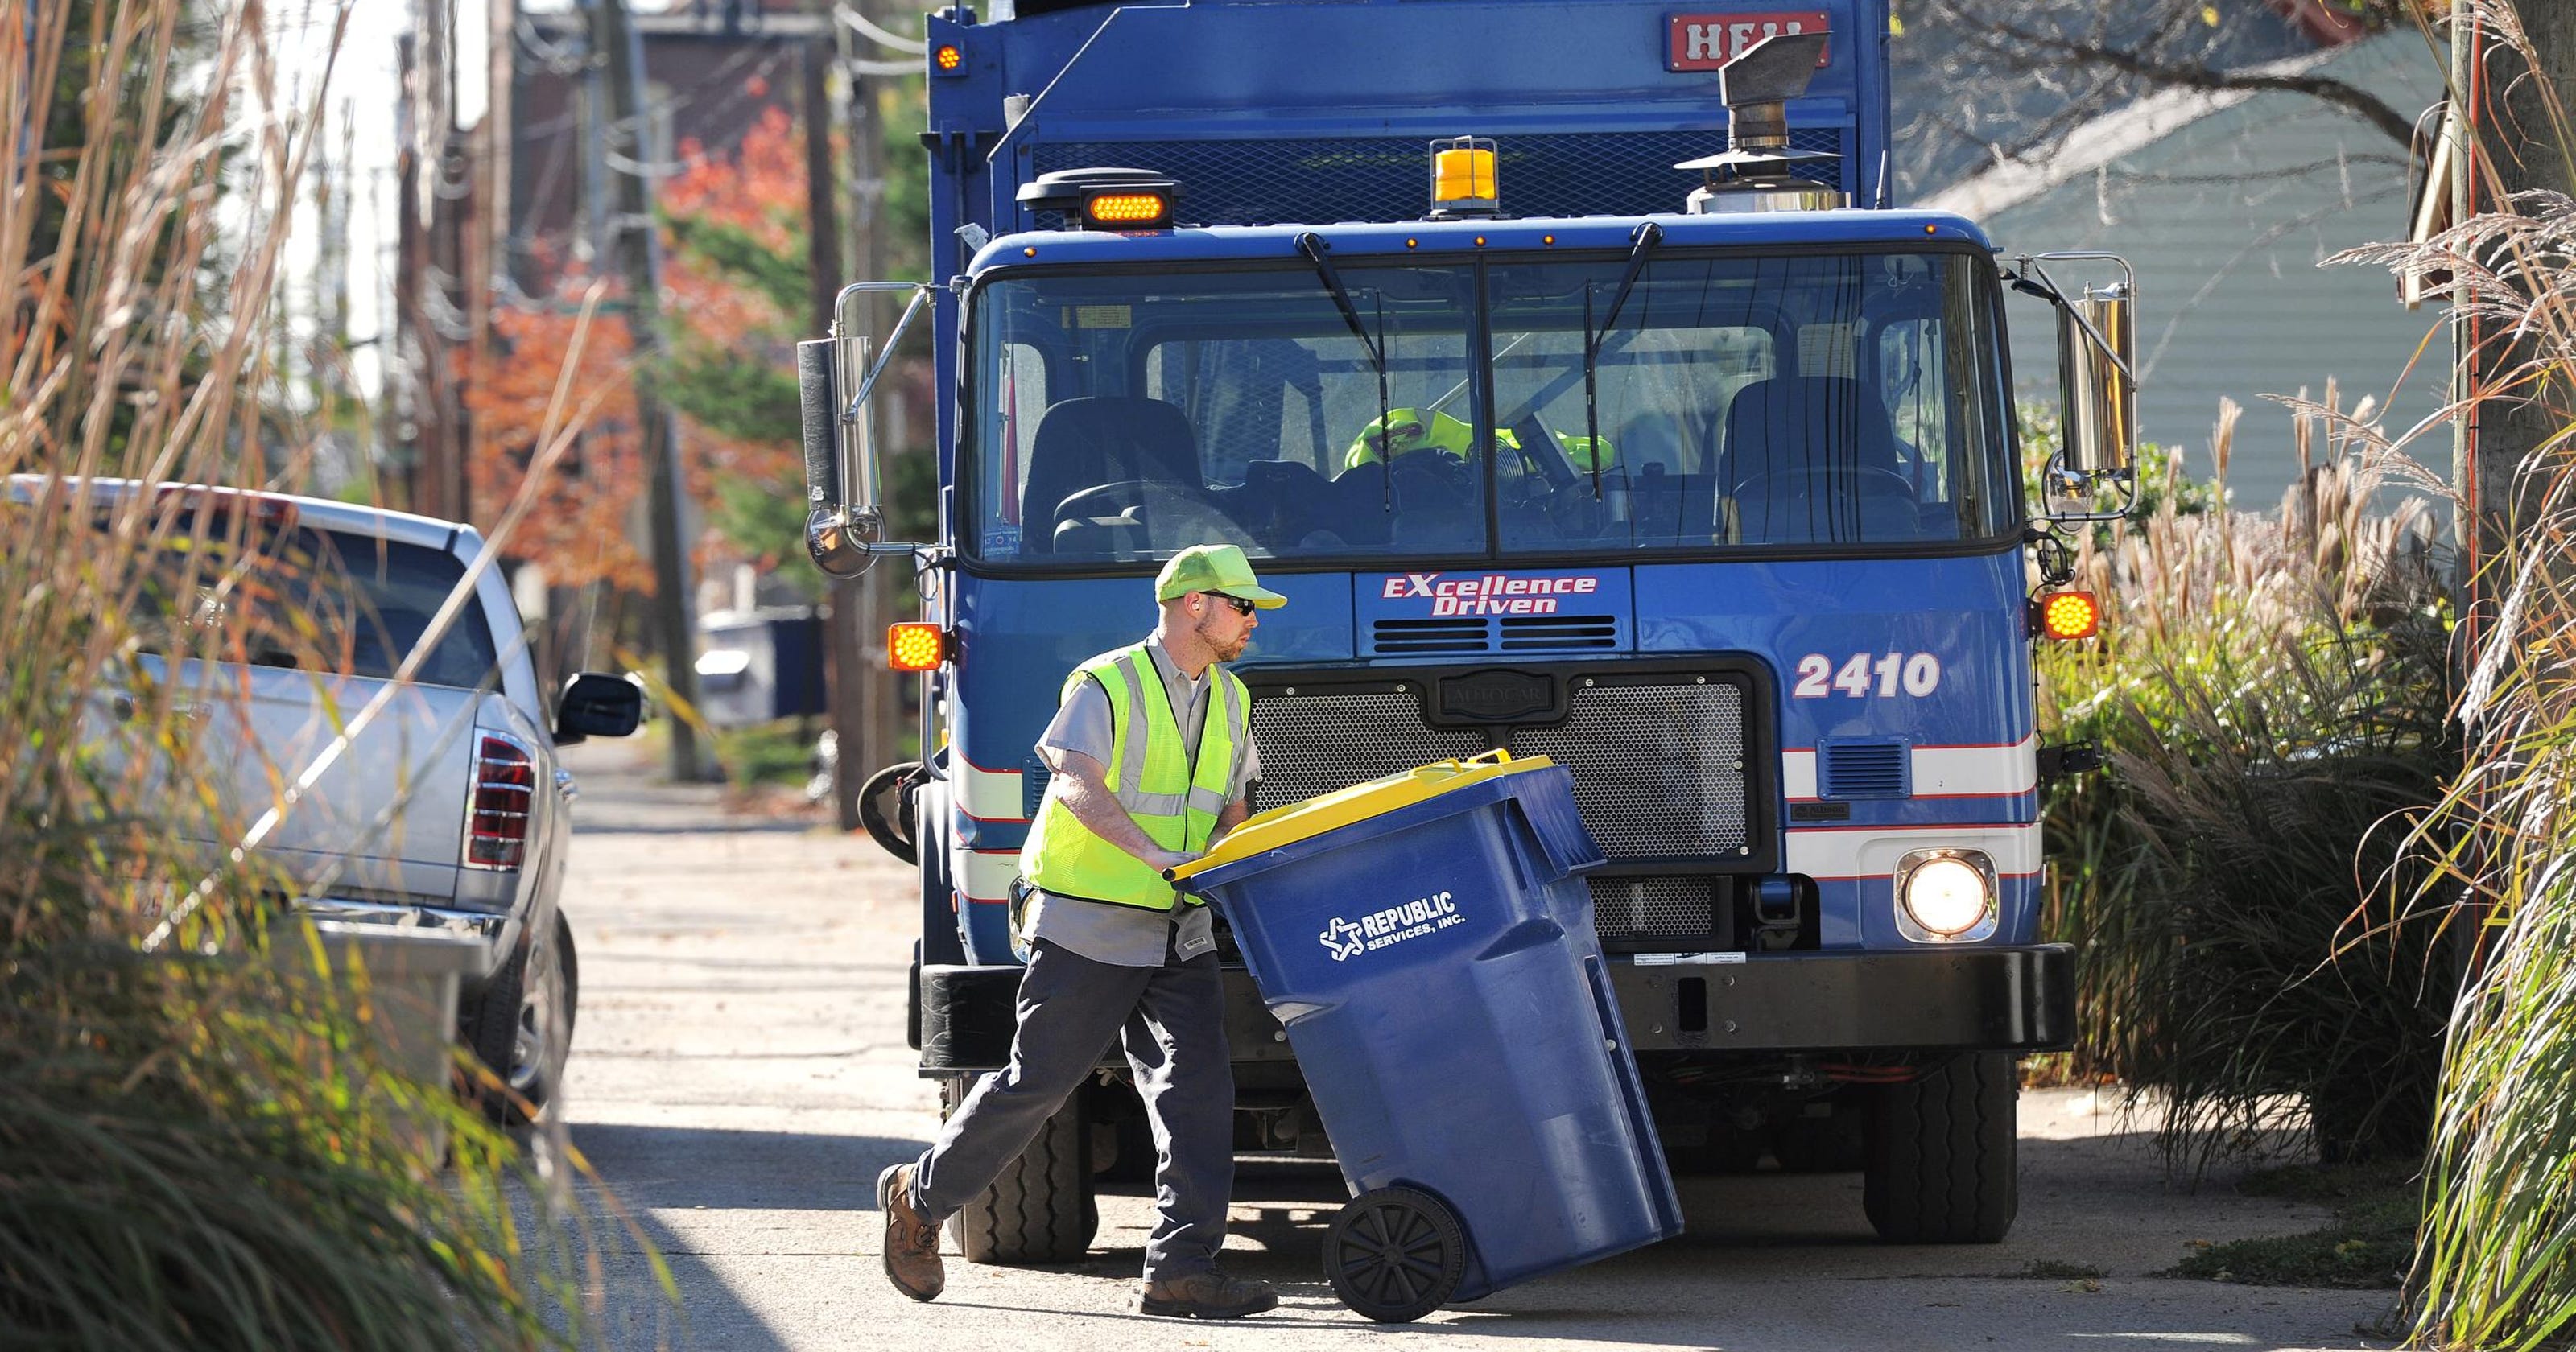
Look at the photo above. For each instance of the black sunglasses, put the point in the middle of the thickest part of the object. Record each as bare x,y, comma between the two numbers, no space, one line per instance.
1241,606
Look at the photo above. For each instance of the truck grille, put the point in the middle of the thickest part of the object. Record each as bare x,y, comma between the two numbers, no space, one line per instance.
1659,907
1663,764
1516,634
1314,744
1658,769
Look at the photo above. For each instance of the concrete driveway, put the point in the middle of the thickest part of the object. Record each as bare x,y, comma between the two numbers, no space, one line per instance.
739,1075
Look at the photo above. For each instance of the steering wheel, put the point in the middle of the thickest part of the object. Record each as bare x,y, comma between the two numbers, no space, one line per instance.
1439,477
1174,510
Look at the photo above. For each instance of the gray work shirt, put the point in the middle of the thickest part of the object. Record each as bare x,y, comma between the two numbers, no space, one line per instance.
1130,936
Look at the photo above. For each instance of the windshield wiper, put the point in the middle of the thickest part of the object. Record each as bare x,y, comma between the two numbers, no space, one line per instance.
1642,244
1312,245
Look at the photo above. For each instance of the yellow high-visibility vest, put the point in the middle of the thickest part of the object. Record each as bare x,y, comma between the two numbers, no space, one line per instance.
1416,430
1173,792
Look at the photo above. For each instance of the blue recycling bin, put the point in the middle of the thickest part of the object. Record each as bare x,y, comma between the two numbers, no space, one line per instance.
1426,940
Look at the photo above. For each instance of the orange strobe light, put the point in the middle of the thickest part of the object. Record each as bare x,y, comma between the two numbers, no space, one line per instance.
2070,615
1127,208
947,58
915,647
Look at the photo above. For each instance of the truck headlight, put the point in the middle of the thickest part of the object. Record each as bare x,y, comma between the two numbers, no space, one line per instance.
1946,895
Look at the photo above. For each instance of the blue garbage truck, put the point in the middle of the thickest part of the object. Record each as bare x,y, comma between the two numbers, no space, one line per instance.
1570,370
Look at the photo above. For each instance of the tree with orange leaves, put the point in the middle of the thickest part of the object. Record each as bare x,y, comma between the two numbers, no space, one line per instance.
733,233
580,528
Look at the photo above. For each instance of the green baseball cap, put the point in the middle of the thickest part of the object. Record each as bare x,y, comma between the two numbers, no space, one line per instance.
1214,568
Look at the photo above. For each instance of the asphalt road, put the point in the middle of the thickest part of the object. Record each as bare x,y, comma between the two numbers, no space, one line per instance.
739,1076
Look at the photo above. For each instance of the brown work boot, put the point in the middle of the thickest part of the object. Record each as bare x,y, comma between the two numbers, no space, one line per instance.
911,1239
1208,1295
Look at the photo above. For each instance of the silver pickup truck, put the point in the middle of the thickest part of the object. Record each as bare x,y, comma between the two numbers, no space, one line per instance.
438,808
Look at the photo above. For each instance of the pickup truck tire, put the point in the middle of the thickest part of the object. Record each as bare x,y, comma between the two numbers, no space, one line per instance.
1041,1209
521,1026
1944,1155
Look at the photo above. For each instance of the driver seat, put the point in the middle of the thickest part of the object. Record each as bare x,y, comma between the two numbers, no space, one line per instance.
1100,439
1798,456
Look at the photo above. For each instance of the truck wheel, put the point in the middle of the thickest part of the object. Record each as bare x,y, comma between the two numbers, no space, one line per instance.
1944,1155
521,1025
1040,1210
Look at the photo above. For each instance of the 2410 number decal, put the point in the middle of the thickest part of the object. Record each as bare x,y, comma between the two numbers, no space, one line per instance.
1865,674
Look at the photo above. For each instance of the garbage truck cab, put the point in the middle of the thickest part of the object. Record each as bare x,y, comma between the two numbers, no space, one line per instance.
1702,481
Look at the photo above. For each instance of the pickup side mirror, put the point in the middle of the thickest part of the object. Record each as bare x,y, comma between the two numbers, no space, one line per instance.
597,705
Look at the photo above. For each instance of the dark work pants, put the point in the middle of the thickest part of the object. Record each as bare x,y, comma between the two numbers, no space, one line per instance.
1170,1022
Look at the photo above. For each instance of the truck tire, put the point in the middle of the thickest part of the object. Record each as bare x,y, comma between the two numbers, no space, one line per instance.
1041,1208
1944,1155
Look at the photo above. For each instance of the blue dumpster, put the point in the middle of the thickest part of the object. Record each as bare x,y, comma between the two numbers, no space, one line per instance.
1427,941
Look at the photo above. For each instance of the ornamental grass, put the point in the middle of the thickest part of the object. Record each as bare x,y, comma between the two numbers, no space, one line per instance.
2271,693
205,1140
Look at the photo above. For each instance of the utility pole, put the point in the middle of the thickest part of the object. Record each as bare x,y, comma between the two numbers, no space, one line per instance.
614,42
846,658
867,697
882,702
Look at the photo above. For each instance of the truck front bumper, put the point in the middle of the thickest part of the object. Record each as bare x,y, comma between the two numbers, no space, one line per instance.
1962,999
1965,999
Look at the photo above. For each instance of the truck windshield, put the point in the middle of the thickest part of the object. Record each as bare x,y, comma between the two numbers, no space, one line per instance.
1733,402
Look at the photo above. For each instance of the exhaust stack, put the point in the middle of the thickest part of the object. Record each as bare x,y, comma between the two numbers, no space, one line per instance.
1756,170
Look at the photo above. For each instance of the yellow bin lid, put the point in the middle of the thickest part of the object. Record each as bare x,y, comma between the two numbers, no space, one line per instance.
1325,812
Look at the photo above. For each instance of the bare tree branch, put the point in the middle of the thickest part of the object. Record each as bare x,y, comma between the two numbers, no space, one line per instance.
2025,47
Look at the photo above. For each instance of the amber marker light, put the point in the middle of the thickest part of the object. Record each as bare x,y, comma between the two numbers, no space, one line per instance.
2070,615
947,58
1127,208
915,647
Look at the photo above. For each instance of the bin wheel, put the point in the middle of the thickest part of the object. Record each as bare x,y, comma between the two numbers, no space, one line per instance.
1395,1254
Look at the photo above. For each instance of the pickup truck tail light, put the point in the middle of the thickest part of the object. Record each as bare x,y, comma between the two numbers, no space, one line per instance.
496,815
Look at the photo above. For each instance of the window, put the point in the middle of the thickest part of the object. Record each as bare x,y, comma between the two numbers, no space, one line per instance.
1721,402
1224,408
315,600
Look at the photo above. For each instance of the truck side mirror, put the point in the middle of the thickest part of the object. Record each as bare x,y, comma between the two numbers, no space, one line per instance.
844,493
2096,358
836,537
597,705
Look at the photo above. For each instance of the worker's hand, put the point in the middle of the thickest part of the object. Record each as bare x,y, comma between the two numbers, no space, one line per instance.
1168,859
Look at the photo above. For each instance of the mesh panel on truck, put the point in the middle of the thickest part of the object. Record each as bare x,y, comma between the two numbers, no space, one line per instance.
1660,766
1658,769
1654,907
1314,744
1388,178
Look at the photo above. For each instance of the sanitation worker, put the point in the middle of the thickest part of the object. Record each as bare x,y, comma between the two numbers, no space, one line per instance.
1152,754
1405,430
